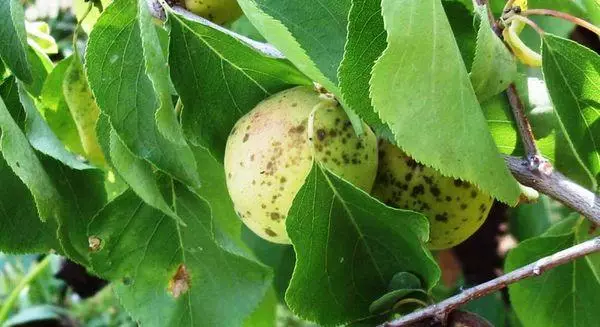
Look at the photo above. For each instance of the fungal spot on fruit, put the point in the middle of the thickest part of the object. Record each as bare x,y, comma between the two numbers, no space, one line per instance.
180,283
464,220
448,198
270,232
294,104
246,137
297,129
417,190
435,191
332,133
442,218
473,194
282,180
264,206
482,208
408,177
229,175
275,216
458,183
252,158
321,134
463,206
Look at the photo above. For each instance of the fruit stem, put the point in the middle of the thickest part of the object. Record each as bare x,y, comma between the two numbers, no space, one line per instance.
575,20
14,294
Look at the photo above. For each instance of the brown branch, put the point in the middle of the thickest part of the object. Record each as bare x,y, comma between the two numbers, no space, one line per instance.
531,150
440,310
575,20
544,179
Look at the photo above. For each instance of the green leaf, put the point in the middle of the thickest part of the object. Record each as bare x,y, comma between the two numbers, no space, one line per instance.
348,247
565,295
41,66
219,79
9,91
116,70
531,220
366,41
572,74
24,162
593,9
83,108
427,84
319,27
491,307
281,258
55,110
41,136
158,73
13,47
494,67
227,225
169,275
282,36
22,229
461,21
266,313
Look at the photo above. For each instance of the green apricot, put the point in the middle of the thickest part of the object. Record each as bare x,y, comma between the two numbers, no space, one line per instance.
455,209
217,11
271,151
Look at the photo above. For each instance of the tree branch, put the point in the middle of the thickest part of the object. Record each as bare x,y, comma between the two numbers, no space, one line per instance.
546,180
440,310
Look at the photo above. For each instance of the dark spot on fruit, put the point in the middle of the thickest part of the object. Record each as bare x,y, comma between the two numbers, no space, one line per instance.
408,177
283,180
270,232
473,194
264,206
418,190
229,175
275,216
435,191
332,133
458,183
464,220
428,180
297,129
321,134
456,228
411,163
482,208
443,218
246,137
294,105
449,199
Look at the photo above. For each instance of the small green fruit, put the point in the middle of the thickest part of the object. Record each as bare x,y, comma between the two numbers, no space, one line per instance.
455,209
217,11
269,153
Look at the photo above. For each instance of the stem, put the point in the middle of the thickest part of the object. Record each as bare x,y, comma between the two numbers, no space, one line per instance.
14,295
531,150
564,16
440,311
527,21
78,26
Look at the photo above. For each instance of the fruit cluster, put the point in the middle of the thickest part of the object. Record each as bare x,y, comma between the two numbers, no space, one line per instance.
272,149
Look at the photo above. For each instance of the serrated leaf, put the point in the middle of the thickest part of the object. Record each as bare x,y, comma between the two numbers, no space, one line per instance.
572,74
219,79
494,67
42,138
427,84
116,72
174,276
158,73
280,35
348,246
83,108
13,47
565,295
317,27
366,41
461,21
55,110
40,66
23,161
22,229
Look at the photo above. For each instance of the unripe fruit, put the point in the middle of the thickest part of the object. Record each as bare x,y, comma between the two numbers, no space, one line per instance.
455,209
217,11
269,154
